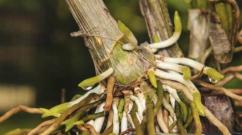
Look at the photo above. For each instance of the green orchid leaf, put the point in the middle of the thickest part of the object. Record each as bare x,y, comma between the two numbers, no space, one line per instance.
55,111
177,22
152,78
128,35
213,74
96,79
71,122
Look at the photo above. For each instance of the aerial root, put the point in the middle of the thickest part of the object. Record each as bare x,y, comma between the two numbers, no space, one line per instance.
17,109
232,69
41,127
110,89
216,122
220,89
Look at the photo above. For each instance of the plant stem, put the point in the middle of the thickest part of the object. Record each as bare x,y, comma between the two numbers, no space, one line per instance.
135,120
150,117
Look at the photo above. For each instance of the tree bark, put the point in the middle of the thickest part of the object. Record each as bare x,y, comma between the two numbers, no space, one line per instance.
102,35
159,24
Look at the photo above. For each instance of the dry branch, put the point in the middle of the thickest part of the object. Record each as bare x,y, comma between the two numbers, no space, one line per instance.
110,91
220,89
18,109
41,127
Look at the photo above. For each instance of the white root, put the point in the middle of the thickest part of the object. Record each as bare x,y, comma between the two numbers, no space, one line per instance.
167,43
130,106
176,77
173,39
141,97
98,90
115,118
139,106
210,72
124,122
90,122
169,66
98,123
185,61
161,122
173,101
172,92
168,107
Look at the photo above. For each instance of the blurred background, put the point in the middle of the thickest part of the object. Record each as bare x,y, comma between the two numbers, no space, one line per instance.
39,60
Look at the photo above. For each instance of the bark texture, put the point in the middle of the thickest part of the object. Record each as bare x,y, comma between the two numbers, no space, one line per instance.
102,35
159,24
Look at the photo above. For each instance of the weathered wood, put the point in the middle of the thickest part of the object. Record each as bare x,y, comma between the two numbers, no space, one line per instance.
221,107
99,29
158,24
102,35
219,41
198,24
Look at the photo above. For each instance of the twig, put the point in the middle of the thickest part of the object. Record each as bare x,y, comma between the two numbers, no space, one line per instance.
238,76
236,91
232,69
216,122
220,89
60,119
109,98
20,108
225,80
40,127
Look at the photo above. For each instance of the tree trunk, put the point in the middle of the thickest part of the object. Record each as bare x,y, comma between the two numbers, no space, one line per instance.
159,24
102,36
